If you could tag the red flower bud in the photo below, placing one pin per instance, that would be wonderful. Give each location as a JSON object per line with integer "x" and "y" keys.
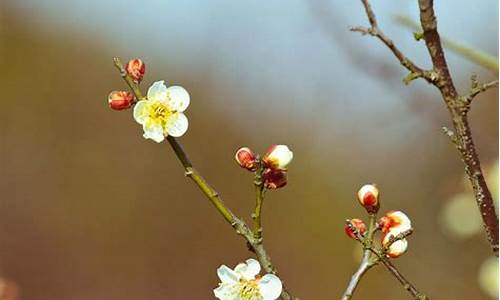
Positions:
{"x": 246, "y": 159}
{"x": 368, "y": 197}
{"x": 274, "y": 179}
{"x": 136, "y": 68}
{"x": 119, "y": 100}
{"x": 358, "y": 224}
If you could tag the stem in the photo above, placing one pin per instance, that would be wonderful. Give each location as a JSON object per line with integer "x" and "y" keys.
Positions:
{"x": 356, "y": 277}
{"x": 259, "y": 200}
{"x": 367, "y": 261}
{"x": 239, "y": 225}
{"x": 404, "y": 282}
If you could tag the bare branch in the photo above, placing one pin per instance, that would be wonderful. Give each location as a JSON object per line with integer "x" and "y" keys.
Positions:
{"x": 375, "y": 31}
{"x": 457, "y": 105}
{"x": 477, "y": 89}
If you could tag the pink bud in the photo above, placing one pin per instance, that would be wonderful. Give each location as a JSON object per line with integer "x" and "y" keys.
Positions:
{"x": 274, "y": 179}
{"x": 246, "y": 159}
{"x": 278, "y": 157}
{"x": 368, "y": 197}
{"x": 358, "y": 224}
{"x": 119, "y": 100}
{"x": 394, "y": 220}
{"x": 136, "y": 68}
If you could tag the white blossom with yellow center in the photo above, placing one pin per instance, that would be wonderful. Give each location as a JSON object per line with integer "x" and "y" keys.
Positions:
{"x": 161, "y": 114}
{"x": 243, "y": 283}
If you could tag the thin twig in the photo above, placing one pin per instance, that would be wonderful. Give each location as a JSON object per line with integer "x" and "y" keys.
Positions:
{"x": 479, "y": 88}
{"x": 241, "y": 228}
{"x": 367, "y": 261}
{"x": 457, "y": 105}
{"x": 374, "y": 30}
{"x": 404, "y": 282}
{"x": 259, "y": 201}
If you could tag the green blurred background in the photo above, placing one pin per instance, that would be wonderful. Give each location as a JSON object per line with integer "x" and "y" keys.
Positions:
{"x": 91, "y": 210}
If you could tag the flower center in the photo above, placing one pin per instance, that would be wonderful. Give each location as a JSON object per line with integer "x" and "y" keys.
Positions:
{"x": 159, "y": 112}
{"x": 249, "y": 290}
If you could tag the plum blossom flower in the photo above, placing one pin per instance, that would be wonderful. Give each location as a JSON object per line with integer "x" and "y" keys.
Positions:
{"x": 395, "y": 221}
{"x": 244, "y": 283}
{"x": 278, "y": 157}
{"x": 161, "y": 114}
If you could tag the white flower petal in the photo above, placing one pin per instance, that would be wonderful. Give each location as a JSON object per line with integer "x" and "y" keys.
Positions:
{"x": 249, "y": 269}
{"x": 177, "y": 125}
{"x": 178, "y": 98}
{"x": 226, "y": 291}
{"x": 226, "y": 275}
{"x": 153, "y": 132}
{"x": 157, "y": 91}
{"x": 141, "y": 111}
{"x": 270, "y": 287}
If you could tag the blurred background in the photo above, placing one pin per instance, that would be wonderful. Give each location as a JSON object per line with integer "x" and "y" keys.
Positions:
{"x": 91, "y": 210}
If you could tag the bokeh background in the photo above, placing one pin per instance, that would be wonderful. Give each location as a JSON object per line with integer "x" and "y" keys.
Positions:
{"x": 91, "y": 210}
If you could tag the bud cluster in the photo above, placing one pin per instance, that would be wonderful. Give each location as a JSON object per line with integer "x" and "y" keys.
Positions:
{"x": 120, "y": 100}
{"x": 273, "y": 166}
{"x": 395, "y": 226}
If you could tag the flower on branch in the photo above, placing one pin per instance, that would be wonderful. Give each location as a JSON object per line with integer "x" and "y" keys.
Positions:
{"x": 394, "y": 221}
{"x": 353, "y": 226}
{"x": 246, "y": 159}
{"x": 119, "y": 100}
{"x": 278, "y": 157}
{"x": 396, "y": 248}
{"x": 136, "y": 68}
{"x": 244, "y": 283}
{"x": 161, "y": 114}
{"x": 368, "y": 197}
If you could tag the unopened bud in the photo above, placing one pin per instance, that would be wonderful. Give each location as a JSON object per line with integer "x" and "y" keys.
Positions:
{"x": 119, "y": 100}
{"x": 397, "y": 248}
{"x": 368, "y": 197}
{"x": 135, "y": 68}
{"x": 274, "y": 179}
{"x": 278, "y": 157}
{"x": 394, "y": 221}
{"x": 246, "y": 159}
{"x": 358, "y": 225}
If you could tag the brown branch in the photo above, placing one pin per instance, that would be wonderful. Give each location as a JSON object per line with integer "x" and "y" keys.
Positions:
{"x": 368, "y": 259}
{"x": 241, "y": 228}
{"x": 477, "y": 88}
{"x": 458, "y": 112}
{"x": 374, "y": 30}
{"x": 457, "y": 105}
{"x": 404, "y": 282}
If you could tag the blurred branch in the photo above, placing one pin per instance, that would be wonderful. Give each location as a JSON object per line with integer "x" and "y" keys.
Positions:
{"x": 457, "y": 105}
{"x": 474, "y": 55}
{"x": 241, "y": 228}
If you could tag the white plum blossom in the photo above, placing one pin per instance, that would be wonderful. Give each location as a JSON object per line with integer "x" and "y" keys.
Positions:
{"x": 397, "y": 248}
{"x": 278, "y": 157}
{"x": 161, "y": 114}
{"x": 244, "y": 283}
